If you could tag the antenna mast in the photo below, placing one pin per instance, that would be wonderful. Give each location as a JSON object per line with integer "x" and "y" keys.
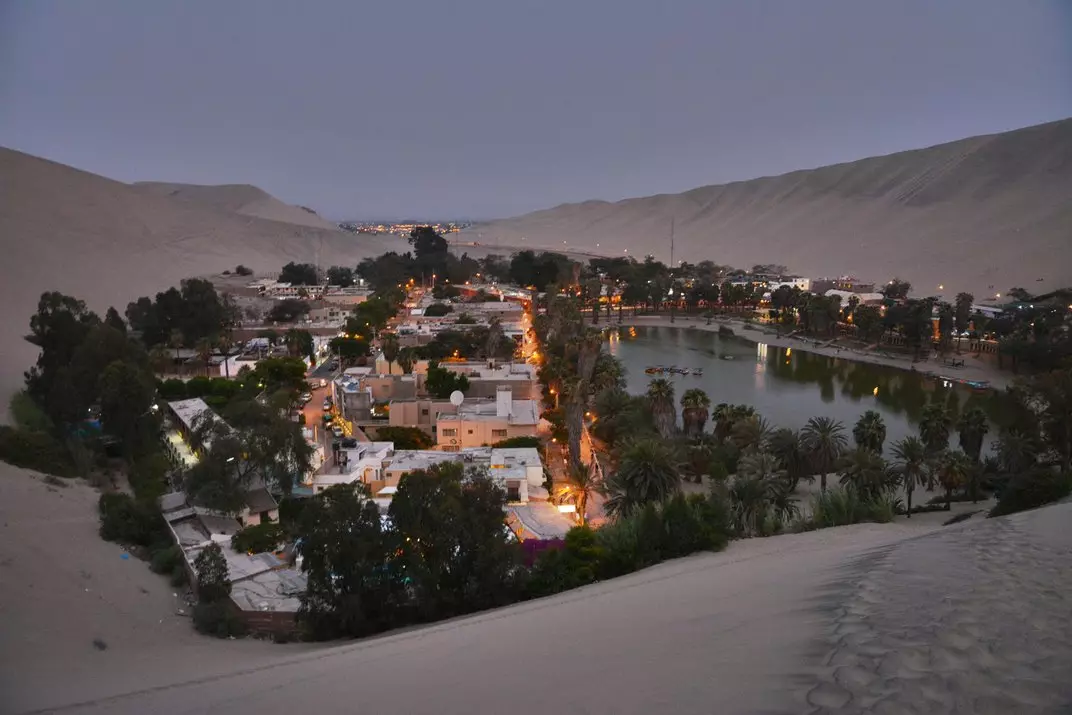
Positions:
{"x": 671, "y": 243}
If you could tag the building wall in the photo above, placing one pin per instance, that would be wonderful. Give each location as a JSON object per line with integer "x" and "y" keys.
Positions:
{"x": 476, "y": 433}
{"x": 419, "y": 413}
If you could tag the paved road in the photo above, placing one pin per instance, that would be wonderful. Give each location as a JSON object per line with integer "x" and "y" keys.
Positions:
{"x": 970, "y": 618}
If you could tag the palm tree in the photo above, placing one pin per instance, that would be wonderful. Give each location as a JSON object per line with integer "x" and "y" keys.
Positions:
{"x": 160, "y": 359}
{"x": 406, "y": 358}
{"x": 824, "y": 441}
{"x": 176, "y": 341}
{"x": 785, "y": 444}
{"x": 750, "y": 434}
{"x": 870, "y": 431}
{"x": 1017, "y": 451}
{"x": 204, "y": 349}
{"x": 934, "y": 427}
{"x": 760, "y": 489}
{"x": 648, "y": 471}
{"x": 866, "y": 471}
{"x": 580, "y": 485}
{"x": 911, "y": 457}
{"x": 695, "y": 406}
{"x": 953, "y": 468}
{"x": 389, "y": 345}
{"x": 726, "y": 416}
{"x": 972, "y": 428}
{"x": 224, "y": 343}
{"x": 608, "y": 373}
{"x": 661, "y": 398}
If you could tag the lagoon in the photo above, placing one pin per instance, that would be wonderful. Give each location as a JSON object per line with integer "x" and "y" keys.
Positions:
{"x": 787, "y": 385}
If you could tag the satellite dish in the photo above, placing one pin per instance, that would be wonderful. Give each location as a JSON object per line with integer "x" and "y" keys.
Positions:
{"x": 457, "y": 398}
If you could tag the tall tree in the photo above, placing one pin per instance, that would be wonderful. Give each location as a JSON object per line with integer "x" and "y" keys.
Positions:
{"x": 649, "y": 470}
{"x": 389, "y": 345}
{"x": 695, "y": 408}
{"x": 934, "y": 428}
{"x": 126, "y": 400}
{"x": 661, "y": 397}
{"x": 972, "y": 428}
{"x": 785, "y": 445}
{"x": 870, "y": 431}
{"x": 213, "y": 579}
{"x": 866, "y": 470}
{"x": 953, "y": 469}
{"x": 824, "y": 442}
{"x": 354, "y": 586}
{"x": 578, "y": 489}
{"x": 456, "y": 554}
{"x": 911, "y": 456}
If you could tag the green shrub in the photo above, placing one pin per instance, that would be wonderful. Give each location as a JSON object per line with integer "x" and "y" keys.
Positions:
{"x": 34, "y": 450}
{"x": 124, "y": 520}
{"x": 149, "y": 476}
{"x": 841, "y": 506}
{"x": 199, "y": 386}
{"x": 575, "y": 564}
{"x": 172, "y": 389}
{"x": 165, "y": 560}
{"x": 27, "y": 415}
{"x": 881, "y": 509}
{"x": 1031, "y": 489}
{"x": 218, "y": 619}
{"x": 266, "y": 536}
{"x": 179, "y": 577}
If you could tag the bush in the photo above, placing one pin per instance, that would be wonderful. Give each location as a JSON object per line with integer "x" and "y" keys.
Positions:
{"x": 1032, "y": 489}
{"x": 841, "y": 506}
{"x": 242, "y": 270}
{"x": 126, "y": 521}
{"x": 258, "y": 539}
{"x": 572, "y": 566}
{"x": 218, "y": 619}
{"x": 518, "y": 442}
{"x": 172, "y": 389}
{"x": 27, "y": 415}
{"x": 34, "y": 450}
{"x": 199, "y": 386}
{"x": 436, "y": 310}
{"x": 405, "y": 437}
{"x": 165, "y": 560}
{"x": 149, "y": 476}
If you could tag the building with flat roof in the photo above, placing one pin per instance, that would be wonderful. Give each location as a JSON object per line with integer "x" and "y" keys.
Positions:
{"x": 480, "y": 424}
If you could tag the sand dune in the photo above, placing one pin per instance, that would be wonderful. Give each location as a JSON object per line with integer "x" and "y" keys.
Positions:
{"x": 108, "y": 243}
{"x": 980, "y": 212}
{"x": 905, "y": 617}
{"x": 238, "y": 198}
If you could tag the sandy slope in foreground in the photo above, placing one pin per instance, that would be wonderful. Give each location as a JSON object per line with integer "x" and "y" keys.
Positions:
{"x": 840, "y": 618}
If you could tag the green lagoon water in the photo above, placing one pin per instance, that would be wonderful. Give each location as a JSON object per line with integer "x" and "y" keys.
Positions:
{"x": 786, "y": 385}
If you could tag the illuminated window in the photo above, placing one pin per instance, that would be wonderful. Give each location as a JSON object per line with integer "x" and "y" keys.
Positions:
{"x": 451, "y": 433}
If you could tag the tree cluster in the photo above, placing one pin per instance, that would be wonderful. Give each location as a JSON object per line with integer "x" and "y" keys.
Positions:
{"x": 182, "y": 316}
{"x": 299, "y": 274}
{"x": 444, "y": 551}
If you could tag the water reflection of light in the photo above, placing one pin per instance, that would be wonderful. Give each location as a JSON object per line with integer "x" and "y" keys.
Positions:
{"x": 761, "y": 364}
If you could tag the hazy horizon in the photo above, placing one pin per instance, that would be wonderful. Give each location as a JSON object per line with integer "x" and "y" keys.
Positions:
{"x": 482, "y": 111}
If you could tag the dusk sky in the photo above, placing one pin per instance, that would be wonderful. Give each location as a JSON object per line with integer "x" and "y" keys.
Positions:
{"x": 433, "y": 109}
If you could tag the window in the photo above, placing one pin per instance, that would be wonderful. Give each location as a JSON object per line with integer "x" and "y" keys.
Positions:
{"x": 470, "y": 431}
{"x": 498, "y": 433}
{"x": 424, "y": 413}
{"x": 513, "y": 491}
{"x": 450, "y": 433}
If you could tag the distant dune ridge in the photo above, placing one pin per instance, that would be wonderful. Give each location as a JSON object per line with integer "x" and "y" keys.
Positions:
{"x": 238, "y": 198}
{"x": 986, "y": 211}
{"x": 108, "y": 242}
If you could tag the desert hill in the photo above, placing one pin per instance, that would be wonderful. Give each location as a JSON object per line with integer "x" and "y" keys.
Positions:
{"x": 108, "y": 243}
{"x": 238, "y": 198}
{"x": 986, "y": 211}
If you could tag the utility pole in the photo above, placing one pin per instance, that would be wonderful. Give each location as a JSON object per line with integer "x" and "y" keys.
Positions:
{"x": 671, "y": 243}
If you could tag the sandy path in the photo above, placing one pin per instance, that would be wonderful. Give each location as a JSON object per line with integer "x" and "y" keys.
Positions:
{"x": 974, "y": 368}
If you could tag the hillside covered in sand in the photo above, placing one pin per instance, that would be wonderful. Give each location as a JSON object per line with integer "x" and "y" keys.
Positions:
{"x": 982, "y": 215}
{"x": 107, "y": 243}
{"x": 238, "y": 198}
